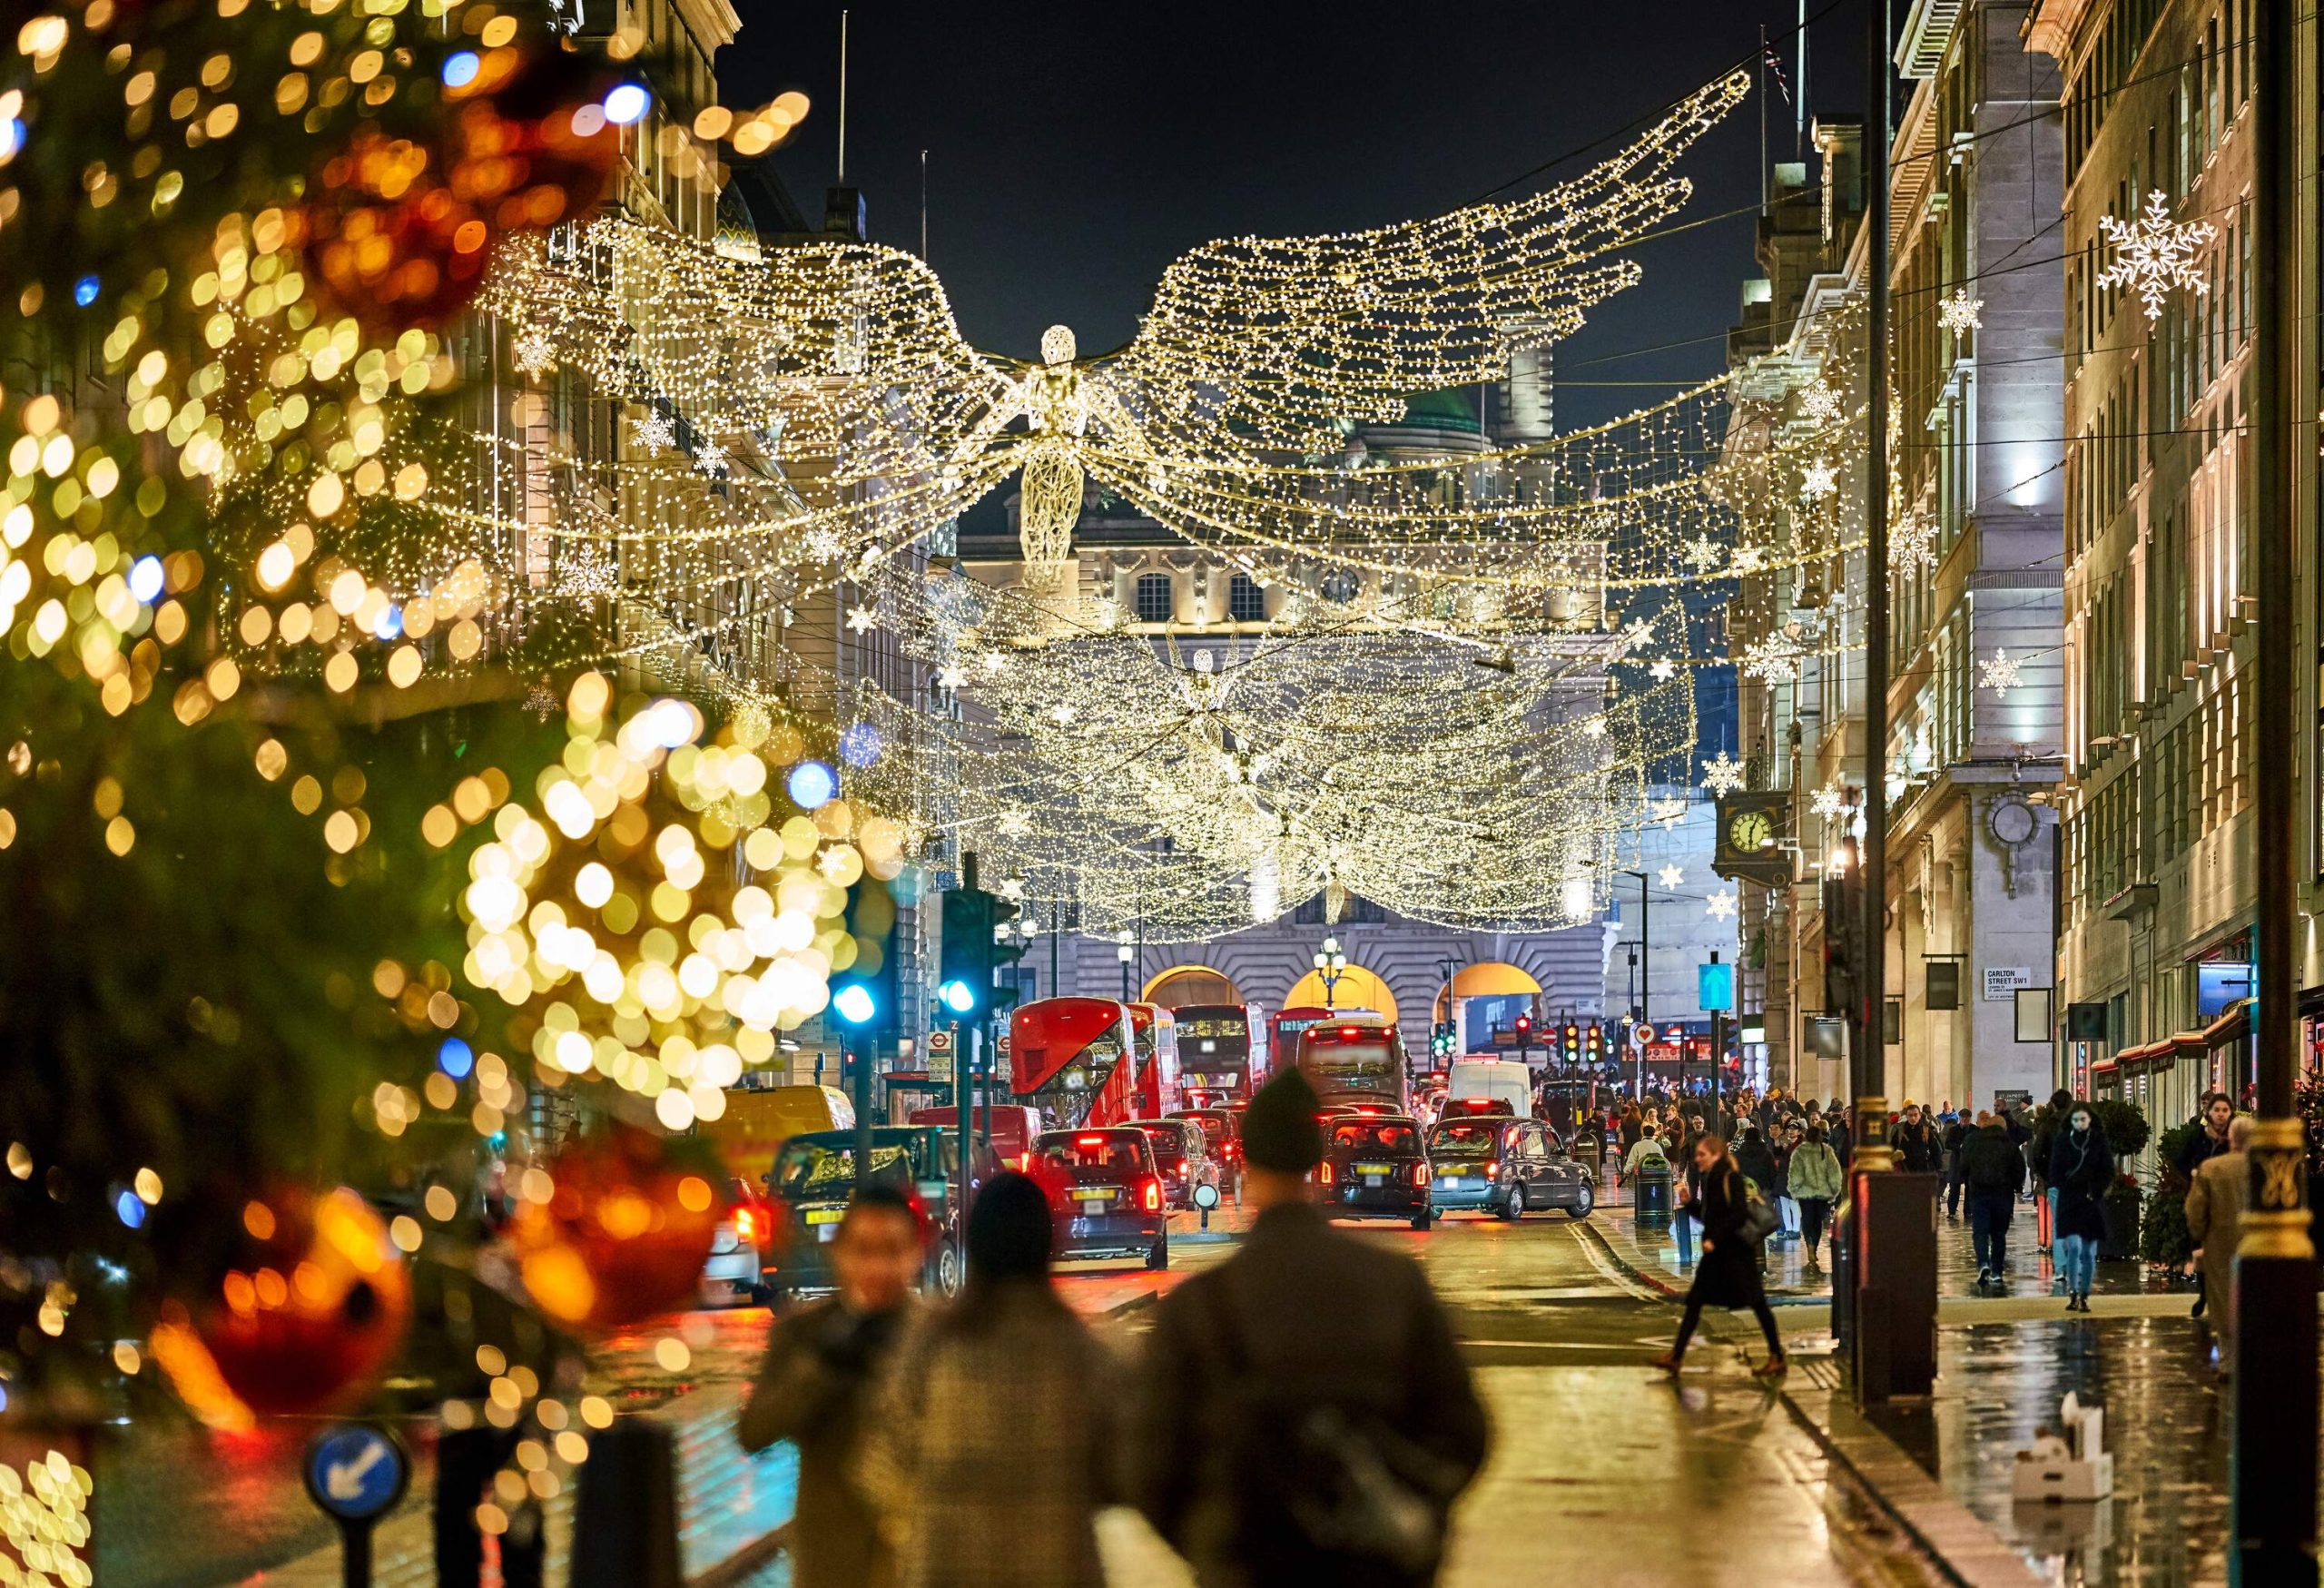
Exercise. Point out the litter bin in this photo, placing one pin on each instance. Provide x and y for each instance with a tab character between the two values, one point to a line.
1585	1153
1653	1189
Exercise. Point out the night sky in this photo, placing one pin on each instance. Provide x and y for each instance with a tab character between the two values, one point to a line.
1074	151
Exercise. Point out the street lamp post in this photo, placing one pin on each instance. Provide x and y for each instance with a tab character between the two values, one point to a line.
1331	964
1645	982
1126	954
2271	1481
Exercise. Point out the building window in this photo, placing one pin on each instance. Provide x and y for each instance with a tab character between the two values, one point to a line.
1245	602
1154	598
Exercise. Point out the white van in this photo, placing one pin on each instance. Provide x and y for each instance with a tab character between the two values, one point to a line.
1488	1082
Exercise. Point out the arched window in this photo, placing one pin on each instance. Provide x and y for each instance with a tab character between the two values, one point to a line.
1154	598
1245	602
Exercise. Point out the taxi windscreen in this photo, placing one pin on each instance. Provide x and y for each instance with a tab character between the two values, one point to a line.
1458	1138
805	1170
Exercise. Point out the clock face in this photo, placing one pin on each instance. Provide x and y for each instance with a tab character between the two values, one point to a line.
1750	832
2013	822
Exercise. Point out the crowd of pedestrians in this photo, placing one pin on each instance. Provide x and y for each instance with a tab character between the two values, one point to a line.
1300	1413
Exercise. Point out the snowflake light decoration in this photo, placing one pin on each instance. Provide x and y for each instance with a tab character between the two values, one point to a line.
1015	823
1720	906
1820	403
534	353
1912	540
710	458
861	620
1748	559
1819	479
951	677
1998	672
654	432
1662	670
1723	775
1775	660
821	545
1704	553
2156	253
1669	812
1830	802
1673	875
1961	313
586	573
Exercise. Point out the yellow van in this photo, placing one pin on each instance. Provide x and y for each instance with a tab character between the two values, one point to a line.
758	1122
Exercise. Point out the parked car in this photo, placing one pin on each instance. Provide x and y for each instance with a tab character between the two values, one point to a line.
1492	1164
814	1176
1181	1157
1106	1195
1374	1167
735	1271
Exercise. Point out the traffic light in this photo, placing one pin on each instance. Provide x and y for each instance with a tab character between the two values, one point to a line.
1843	925
1439	1040
864	993
964	964
1524	1027
1594	1041
1572	1041
1007	948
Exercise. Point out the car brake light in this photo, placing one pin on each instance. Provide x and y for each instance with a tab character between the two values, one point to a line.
1492	1168
1153	1196
1347	1031
1024	1161
745	1227
1420	1174
1089	1141
1323	1173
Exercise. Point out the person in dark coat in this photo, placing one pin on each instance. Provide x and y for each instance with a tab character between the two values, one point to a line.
1758	1164
816	1382
1956	1136
1915	1142
2047	1121
994	1436
2209	1142
1304	1327
1729	1275
2081	1172
1992	1170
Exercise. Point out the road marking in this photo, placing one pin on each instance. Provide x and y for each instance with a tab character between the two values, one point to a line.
1620	1280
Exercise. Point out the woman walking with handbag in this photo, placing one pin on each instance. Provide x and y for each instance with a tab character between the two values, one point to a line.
1734	1225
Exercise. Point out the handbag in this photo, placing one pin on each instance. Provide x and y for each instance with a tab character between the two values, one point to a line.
1760	1219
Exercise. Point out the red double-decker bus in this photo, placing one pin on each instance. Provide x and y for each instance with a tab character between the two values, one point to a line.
1154	1036
1282	1033
1075	1059
1218	1064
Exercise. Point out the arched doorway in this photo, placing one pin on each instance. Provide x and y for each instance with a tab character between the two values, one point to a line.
1184	986
1492	979
1486	997
1357	989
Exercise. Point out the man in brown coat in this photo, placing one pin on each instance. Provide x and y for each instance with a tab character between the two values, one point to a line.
2215	1218
817	1382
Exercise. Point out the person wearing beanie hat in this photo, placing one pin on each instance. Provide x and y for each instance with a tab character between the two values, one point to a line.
1280	1130
1305	1327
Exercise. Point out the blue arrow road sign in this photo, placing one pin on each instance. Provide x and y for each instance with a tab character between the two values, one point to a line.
355	1471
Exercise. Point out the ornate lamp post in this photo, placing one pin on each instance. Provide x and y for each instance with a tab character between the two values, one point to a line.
1331	964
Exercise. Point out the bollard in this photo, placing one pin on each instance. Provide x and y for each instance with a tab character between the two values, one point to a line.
626	1516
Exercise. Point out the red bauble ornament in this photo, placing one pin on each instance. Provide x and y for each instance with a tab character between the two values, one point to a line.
624	1234
314	1307
398	233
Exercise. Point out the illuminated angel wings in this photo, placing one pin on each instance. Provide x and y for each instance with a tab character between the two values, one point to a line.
838	365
